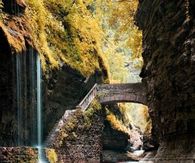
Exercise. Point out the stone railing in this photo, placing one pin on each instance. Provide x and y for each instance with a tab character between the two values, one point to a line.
84	104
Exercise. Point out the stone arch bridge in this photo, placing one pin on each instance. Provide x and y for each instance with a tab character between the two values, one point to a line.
106	93
112	93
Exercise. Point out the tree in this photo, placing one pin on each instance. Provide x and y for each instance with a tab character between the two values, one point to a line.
123	12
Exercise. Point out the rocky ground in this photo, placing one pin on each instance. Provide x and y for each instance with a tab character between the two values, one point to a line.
25	154
124	146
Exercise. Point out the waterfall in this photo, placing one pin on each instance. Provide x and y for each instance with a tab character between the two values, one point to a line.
39	104
29	100
39	112
32	94
18	98
28	97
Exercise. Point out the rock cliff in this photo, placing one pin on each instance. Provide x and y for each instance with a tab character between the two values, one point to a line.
67	74
168	71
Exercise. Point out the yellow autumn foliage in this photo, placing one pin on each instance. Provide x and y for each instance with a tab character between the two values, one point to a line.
136	114
116	123
51	155
123	12
66	32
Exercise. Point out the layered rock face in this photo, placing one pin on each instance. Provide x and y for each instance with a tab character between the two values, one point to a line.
11	5
6	93
169	74
62	87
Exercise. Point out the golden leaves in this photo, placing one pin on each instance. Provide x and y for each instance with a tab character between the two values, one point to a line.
123	15
66	31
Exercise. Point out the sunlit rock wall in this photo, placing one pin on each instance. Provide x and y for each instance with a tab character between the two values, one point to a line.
169	70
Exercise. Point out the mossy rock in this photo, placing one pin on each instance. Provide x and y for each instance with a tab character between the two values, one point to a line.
51	155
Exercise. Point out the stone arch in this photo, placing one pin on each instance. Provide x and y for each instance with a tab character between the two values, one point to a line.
132	92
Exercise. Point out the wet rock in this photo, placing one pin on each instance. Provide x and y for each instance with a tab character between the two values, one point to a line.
119	156
18	154
173	149
25	154
114	139
136	139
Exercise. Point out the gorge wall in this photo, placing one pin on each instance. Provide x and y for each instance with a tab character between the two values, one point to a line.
169	74
67	75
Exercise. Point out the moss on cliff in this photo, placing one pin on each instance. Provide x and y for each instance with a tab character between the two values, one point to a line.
116	123
51	155
18	154
66	32
79	121
26	154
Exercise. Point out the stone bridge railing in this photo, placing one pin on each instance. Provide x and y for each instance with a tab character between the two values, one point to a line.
110	93
88	98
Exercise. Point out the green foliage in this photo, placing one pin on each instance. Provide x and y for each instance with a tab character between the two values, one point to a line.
123	41
135	115
123	52
123	20
88	114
